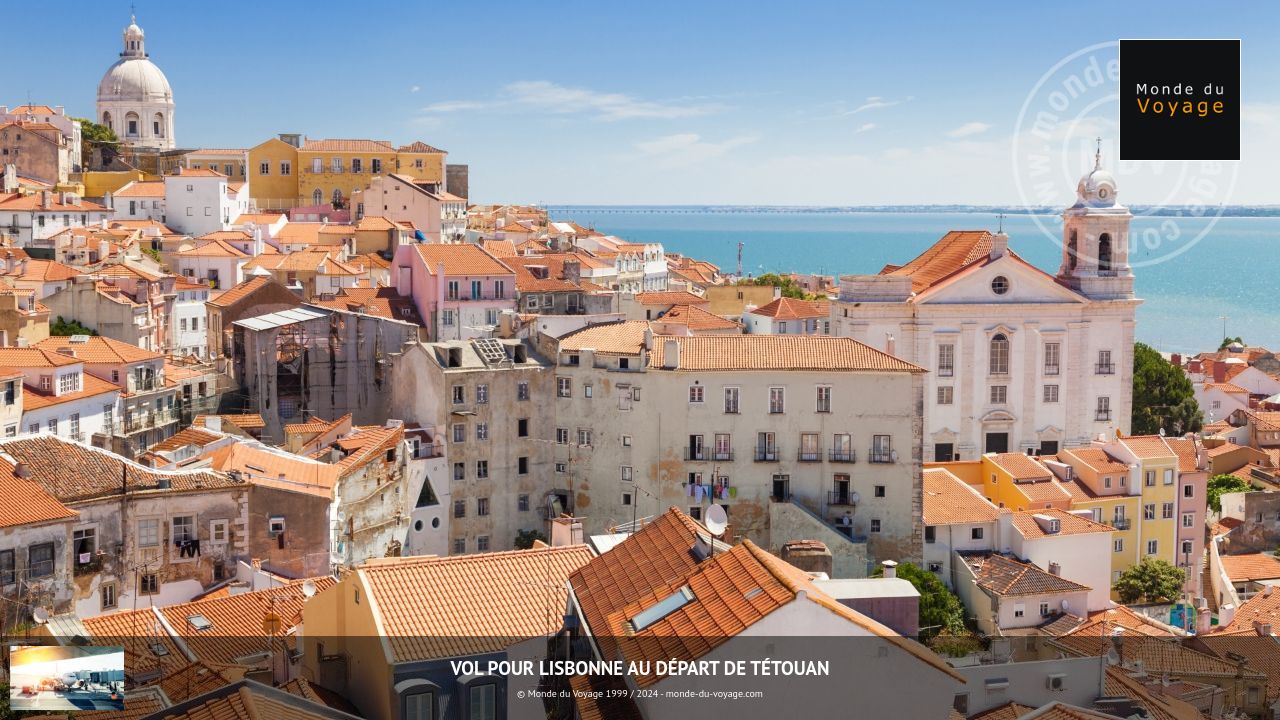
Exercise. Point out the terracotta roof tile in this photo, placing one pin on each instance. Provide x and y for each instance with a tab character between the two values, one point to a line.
1020	466
433	607
381	302
615	338
347	145
948	500
1069	524
463	259
142	188
1148	447
1254	566
98	349
274	468
785	308
1008	577
27	502
235	294
1097	459
956	250
44	271
776	352
420	147
697	318
670	297
90	386
72	472
214	248
187	437
1007	711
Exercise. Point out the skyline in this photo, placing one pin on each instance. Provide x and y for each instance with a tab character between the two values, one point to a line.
823	105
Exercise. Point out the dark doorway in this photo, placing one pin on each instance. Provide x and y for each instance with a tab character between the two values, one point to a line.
997	443
944	452
1049	447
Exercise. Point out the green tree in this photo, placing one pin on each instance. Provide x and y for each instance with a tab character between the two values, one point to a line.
1227	341
940	610
1219	485
789	287
1151	580
92	136
526	538
65	328
1162	396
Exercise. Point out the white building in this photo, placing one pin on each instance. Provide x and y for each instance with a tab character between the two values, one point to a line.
1018	359
198	202
1066	544
956	518
134	97
140	200
789	316
42	215
59	397
187	321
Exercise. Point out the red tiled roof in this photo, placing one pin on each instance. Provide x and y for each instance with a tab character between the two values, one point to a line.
776	352
785	308
463	259
949	500
956	250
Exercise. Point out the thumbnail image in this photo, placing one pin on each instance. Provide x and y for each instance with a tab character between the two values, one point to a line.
43	677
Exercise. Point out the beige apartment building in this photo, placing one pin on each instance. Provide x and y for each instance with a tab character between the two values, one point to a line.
487	403
826	429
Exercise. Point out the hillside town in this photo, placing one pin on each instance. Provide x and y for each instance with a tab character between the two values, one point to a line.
301	427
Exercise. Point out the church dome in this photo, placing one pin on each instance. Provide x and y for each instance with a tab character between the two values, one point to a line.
1098	187
135	78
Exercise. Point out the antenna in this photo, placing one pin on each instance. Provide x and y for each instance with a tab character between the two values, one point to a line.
309	588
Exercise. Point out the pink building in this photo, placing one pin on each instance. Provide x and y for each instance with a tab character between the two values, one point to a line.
459	290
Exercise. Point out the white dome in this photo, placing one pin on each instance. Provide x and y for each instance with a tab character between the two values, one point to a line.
1098	187
135	79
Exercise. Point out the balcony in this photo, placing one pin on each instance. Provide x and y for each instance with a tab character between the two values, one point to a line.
1105	369
695	453
92	567
810	455
432	450
842	456
946	371
880	456
1052	369
1119	523
1102	416
766	454
722	454
475	298
842	497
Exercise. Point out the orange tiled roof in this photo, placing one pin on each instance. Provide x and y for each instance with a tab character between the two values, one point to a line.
1008	577
235	294
142	188
1253	566
420	147
27	502
72	472
776	352
955	251
614	338
1008	711
341	145
1020	466
1097	459
697	318
276	468
196	172
1148	447
785	308
670	297
98	349
464	259
190	436
267	218
33	357
948	500
44	271
244	421
214	248
35	201
1069	524
1260	653
90	386
380	302
1187	450
437	607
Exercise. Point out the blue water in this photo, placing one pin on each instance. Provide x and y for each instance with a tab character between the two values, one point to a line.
1185	287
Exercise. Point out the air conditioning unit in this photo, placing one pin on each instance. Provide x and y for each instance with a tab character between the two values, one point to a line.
276	525
1056	682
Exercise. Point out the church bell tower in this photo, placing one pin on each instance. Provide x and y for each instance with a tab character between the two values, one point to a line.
1095	239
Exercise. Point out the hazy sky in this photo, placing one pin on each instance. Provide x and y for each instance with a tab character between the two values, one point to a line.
654	102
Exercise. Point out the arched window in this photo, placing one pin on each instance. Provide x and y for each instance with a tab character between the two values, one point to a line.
106	120
999	360
317	197
157	125
1104	253
337	198
131	125
1071	251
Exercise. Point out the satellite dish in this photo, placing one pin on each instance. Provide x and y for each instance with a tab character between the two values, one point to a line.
309	588
717	520
40	615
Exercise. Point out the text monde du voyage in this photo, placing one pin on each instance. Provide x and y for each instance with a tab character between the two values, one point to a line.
1180	99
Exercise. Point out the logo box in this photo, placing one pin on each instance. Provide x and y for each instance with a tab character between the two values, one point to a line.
1180	99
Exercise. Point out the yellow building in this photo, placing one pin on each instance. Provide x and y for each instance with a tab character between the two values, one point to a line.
290	171
1151	489
273	174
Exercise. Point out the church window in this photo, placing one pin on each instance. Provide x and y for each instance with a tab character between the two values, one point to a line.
317	196
1104	253
1071	251
1000	285
999	355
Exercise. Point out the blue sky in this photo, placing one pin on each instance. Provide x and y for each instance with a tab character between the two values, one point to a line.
660	102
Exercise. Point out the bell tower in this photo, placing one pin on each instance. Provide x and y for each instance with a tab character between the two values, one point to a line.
1095	238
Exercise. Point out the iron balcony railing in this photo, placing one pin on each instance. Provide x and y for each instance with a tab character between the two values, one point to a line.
878	456
1119	523
1105	368
811	455
766	454
722	454
695	453
840	497
1102	415
842	456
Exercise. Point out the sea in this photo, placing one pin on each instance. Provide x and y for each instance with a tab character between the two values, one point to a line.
1198	277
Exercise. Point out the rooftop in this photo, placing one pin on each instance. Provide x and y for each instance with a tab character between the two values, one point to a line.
948	500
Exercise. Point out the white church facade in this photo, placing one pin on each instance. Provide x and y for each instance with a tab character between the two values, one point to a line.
134	97
1018	360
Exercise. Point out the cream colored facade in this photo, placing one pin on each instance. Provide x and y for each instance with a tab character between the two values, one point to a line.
1019	359
631	437
273	174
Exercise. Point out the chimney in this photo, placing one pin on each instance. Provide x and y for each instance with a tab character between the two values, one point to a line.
1055	569
1219	372
890	345
999	245
104	248
1263	629
671	354
1175	359
811	556
45	198
890	568
22	470
10	178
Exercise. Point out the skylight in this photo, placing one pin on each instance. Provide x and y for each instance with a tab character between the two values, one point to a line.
663	608
199	622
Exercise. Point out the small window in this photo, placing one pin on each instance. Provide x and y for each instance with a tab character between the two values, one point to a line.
522	503
975	533
875	525
946	394
1000	285
878	491
149	584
